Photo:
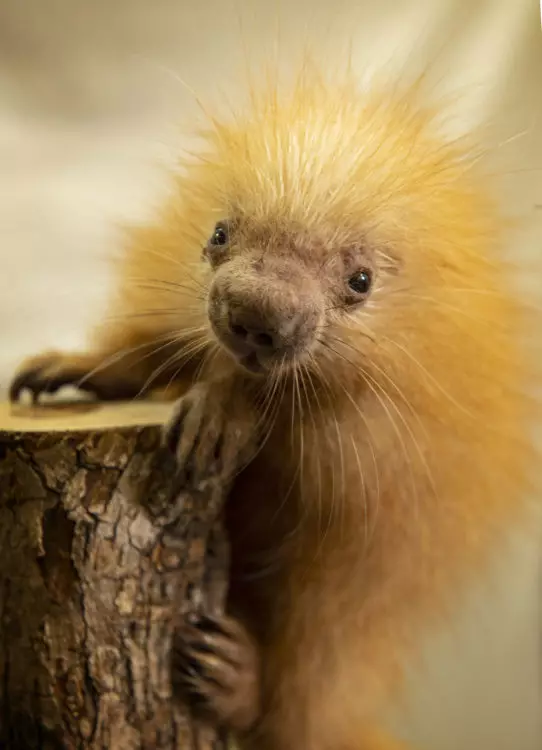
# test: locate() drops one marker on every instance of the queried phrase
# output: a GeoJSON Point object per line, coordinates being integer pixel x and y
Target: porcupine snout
{"type": "Point", "coordinates": [264, 318]}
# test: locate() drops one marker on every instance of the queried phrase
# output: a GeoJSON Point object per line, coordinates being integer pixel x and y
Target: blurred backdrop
{"type": "Point", "coordinates": [93, 97]}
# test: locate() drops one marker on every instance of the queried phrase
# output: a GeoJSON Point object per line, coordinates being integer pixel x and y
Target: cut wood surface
{"type": "Point", "coordinates": [100, 558]}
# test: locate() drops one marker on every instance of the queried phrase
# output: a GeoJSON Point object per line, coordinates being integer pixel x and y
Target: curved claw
{"type": "Point", "coordinates": [216, 666]}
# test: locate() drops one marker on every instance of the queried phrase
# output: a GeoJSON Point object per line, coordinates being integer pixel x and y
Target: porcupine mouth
{"type": "Point", "coordinates": [252, 363]}
{"type": "Point", "coordinates": [256, 363]}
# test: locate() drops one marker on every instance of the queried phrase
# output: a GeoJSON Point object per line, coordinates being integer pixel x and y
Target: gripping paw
{"type": "Point", "coordinates": [215, 665]}
{"type": "Point", "coordinates": [49, 372]}
{"type": "Point", "coordinates": [212, 433]}
{"type": "Point", "coordinates": [46, 373]}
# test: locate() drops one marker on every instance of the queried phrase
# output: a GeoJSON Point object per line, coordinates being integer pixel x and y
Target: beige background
{"type": "Point", "coordinates": [90, 102]}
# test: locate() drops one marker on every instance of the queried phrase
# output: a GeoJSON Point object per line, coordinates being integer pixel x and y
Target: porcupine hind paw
{"type": "Point", "coordinates": [215, 666]}
{"type": "Point", "coordinates": [50, 371]}
{"type": "Point", "coordinates": [212, 432]}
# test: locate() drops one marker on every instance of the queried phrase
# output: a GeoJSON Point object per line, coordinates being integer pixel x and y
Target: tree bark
{"type": "Point", "coordinates": [100, 557]}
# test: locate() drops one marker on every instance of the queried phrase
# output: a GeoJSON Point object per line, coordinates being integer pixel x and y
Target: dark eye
{"type": "Point", "coordinates": [360, 282]}
{"type": "Point", "coordinates": [219, 236]}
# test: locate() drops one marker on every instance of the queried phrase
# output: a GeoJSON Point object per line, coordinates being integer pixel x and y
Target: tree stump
{"type": "Point", "coordinates": [100, 557]}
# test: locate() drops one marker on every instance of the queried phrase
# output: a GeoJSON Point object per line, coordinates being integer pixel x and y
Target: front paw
{"type": "Point", "coordinates": [212, 432]}
{"type": "Point", "coordinates": [46, 373]}
{"type": "Point", "coordinates": [215, 665]}
{"type": "Point", "coordinates": [108, 379]}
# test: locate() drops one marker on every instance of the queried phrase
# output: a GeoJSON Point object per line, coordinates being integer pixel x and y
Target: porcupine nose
{"type": "Point", "coordinates": [264, 318]}
{"type": "Point", "coordinates": [252, 330]}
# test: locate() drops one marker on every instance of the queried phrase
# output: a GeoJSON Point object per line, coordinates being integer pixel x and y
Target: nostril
{"type": "Point", "coordinates": [240, 331]}
{"type": "Point", "coordinates": [265, 340]}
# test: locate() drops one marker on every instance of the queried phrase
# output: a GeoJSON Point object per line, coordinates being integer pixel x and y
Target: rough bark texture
{"type": "Point", "coordinates": [92, 585]}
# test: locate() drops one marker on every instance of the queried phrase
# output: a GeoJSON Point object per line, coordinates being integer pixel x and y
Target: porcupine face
{"type": "Point", "coordinates": [274, 293]}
